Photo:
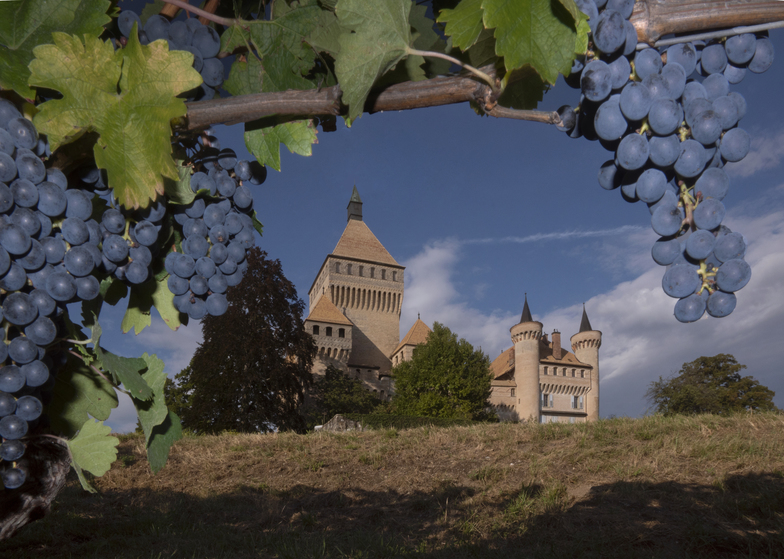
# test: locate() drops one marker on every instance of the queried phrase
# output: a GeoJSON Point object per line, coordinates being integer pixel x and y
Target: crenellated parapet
{"type": "Point", "coordinates": [584, 340]}
{"type": "Point", "coordinates": [526, 331]}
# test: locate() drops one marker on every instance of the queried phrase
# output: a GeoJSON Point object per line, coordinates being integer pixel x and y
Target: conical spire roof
{"type": "Point", "coordinates": [585, 324]}
{"type": "Point", "coordinates": [526, 316]}
{"type": "Point", "coordinates": [355, 195]}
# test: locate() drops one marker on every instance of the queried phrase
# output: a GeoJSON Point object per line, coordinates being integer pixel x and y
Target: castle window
{"type": "Point", "coordinates": [341, 332]}
{"type": "Point", "coordinates": [394, 276]}
{"type": "Point", "coordinates": [348, 269]}
{"type": "Point", "coordinates": [512, 394]}
{"type": "Point", "coordinates": [581, 402]}
{"type": "Point", "coordinates": [337, 267]}
{"type": "Point", "coordinates": [372, 272]}
{"type": "Point", "coordinates": [582, 373]}
{"type": "Point", "coordinates": [545, 370]}
{"type": "Point", "coordinates": [547, 399]}
{"type": "Point", "coordinates": [543, 419]}
{"type": "Point", "coordinates": [361, 270]}
{"type": "Point", "coordinates": [383, 274]}
{"type": "Point", "coordinates": [571, 420]}
{"type": "Point", "coordinates": [315, 330]}
{"type": "Point", "coordinates": [574, 372]}
{"type": "Point", "coordinates": [575, 402]}
{"type": "Point", "coordinates": [329, 331]}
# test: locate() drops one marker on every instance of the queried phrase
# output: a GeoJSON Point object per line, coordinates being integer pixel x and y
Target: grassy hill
{"type": "Point", "coordinates": [702, 486]}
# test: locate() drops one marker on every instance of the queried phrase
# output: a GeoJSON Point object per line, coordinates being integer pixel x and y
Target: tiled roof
{"type": "Point", "coordinates": [416, 335]}
{"type": "Point", "coordinates": [325, 311]}
{"type": "Point", "coordinates": [358, 241]}
{"type": "Point", "coordinates": [505, 362]}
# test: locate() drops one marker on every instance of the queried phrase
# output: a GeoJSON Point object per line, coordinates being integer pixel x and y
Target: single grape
{"type": "Point", "coordinates": [29, 408]}
{"type": "Point", "coordinates": [665, 116]}
{"type": "Point", "coordinates": [19, 309]}
{"type": "Point", "coordinates": [691, 160]}
{"type": "Point", "coordinates": [146, 233]}
{"type": "Point", "coordinates": [22, 132]}
{"type": "Point", "coordinates": [60, 286]}
{"type": "Point", "coordinates": [14, 239]}
{"type": "Point", "coordinates": [713, 59]}
{"type": "Point", "coordinates": [125, 22]}
{"type": "Point", "coordinates": [664, 150]}
{"type": "Point", "coordinates": [7, 405]}
{"type": "Point", "coordinates": [596, 81]}
{"type": "Point", "coordinates": [79, 261]}
{"type": "Point", "coordinates": [721, 304]}
{"type": "Point", "coordinates": [647, 62]}
{"type": "Point", "coordinates": [684, 54]}
{"type": "Point", "coordinates": [675, 77]}
{"type": "Point", "coordinates": [115, 249]}
{"type": "Point", "coordinates": [680, 281]}
{"type": "Point", "coordinates": [740, 48]}
{"type": "Point", "coordinates": [157, 27]}
{"type": "Point", "coordinates": [79, 205]}
{"type": "Point", "coordinates": [734, 74]}
{"type": "Point", "coordinates": [207, 41]}
{"type": "Point", "coordinates": [42, 332]}
{"type": "Point", "coordinates": [735, 144]}
{"type": "Point", "coordinates": [729, 247]}
{"type": "Point", "coordinates": [709, 214]}
{"type": "Point", "coordinates": [11, 379]}
{"type": "Point", "coordinates": [51, 199]}
{"type": "Point", "coordinates": [87, 288]}
{"type": "Point", "coordinates": [43, 302]}
{"type": "Point", "coordinates": [763, 56]}
{"type": "Point", "coordinates": [713, 183]}
{"type": "Point", "coordinates": [217, 304]}
{"type": "Point", "coordinates": [11, 451]}
{"type": "Point", "coordinates": [13, 478]}
{"type": "Point", "coordinates": [732, 275]}
{"type": "Point", "coordinates": [7, 167]}
{"type": "Point", "coordinates": [690, 309]}
{"type": "Point", "coordinates": [35, 258]}
{"type": "Point", "coordinates": [75, 231]}
{"type": "Point", "coordinates": [114, 221]}
{"type": "Point", "coordinates": [716, 85]}
{"type": "Point", "coordinates": [217, 283]}
{"type": "Point", "coordinates": [667, 220]}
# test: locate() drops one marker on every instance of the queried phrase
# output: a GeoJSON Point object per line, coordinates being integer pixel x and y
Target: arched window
{"type": "Point", "coordinates": [329, 331]}
{"type": "Point", "coordinates": [341, 332]}
{"type": "Point", "coordinates": [315, 330]}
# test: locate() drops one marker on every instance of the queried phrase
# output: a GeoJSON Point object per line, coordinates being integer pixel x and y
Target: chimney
{"type": "Point", "coordinates": [557, 352]}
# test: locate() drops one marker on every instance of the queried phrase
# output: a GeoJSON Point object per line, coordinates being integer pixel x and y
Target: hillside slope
{"type": "Point", "coordinates": [702, 486]}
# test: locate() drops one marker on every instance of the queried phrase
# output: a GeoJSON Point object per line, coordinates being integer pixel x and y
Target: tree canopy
{"type": "Point", "coordinates": [710, 385]}
{"type": "Point", "coordinates": [251, 371]}
{"type": "Point", "coordinates": [446, 377]}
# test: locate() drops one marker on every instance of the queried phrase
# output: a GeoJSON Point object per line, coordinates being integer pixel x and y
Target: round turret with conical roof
{"type": "Point", "coordinates": [585, 345]}
{"type": "Point", "coordinates": [525, 336]}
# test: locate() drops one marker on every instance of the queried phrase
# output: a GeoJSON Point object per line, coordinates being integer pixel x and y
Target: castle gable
{"type": "Point", "coordinates": [503, 364]}
{"type": "Point", "coordinates": [359, 242]}
{"type": "Point", "coordinates": [416, 335]}
{"type": "Point", "coordinates": [325, 311]}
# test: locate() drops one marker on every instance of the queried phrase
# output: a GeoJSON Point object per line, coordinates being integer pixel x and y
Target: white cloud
{"type": "Point", "coordinates": [641, 338]}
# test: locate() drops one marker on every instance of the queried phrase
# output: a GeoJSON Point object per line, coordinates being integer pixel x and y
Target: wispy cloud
{"type": "Point", "coordinates": [558, 236]}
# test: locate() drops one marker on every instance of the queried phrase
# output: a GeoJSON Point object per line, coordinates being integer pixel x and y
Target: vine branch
{"type": "Point", "coordinates": [203, 14]}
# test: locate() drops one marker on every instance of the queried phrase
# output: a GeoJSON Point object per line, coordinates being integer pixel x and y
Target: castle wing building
{"type": "Point", "coordinates": [538, 380]}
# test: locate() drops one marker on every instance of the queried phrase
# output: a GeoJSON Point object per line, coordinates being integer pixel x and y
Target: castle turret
{"type": "Point", "coordinates": [525, 337]}
{"type": "Point", "coordinates": [585, 345]}
{"type": "Point", "coordinates": [354, 208]}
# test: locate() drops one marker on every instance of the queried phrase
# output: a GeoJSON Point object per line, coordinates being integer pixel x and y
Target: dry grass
{"type": "Point", "coordinates": [680, 487]}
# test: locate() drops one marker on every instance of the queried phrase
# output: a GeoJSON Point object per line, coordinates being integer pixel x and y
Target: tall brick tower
{"type": "Point", "coordinates": [525, 337]}
{"type": "Point", "coordinates": [362, 280]}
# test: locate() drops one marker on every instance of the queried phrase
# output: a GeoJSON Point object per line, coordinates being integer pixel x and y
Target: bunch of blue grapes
{"type": "Point", "coordinates": [672, 122]}
{"type": "Point", "coordinates": [217, 229]}
{"type": "Point", "coordinates": [37, 278]}
{"type": "Point", "coordinates": [202, 41]}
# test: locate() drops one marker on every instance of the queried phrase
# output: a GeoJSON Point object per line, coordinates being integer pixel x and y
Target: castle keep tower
{"type": "Point", "coordinates": [585, 345]}
{"type": "Point", "coordinates": [363, 284]}
{"type": "Point", "coordinates": [525, 337]}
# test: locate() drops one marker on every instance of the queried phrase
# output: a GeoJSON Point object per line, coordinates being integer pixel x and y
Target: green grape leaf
{"type": "Point", "coordinates": [525, 91]}
{"type": "Point", "coordinates": [79, 391]}
{"type": "Point", "coordinates": [233, 38]}
{"type": "Point", "coordinates": [464, 23]}
{"type": "Point", "coordinates": [114, 291]}
{"type": "Point", "coordinates": [325, 36]}
{"type": "Point", "coordinates": [581, 42]}
{"type": "Point", "coordinates": [540, 33]}
{"type": "Point", "coordinates": [179, 191]}
{"type": "Point", "coordinates": [264, 142]}
{"type": "Point", "coordinates": [138, 315]}
{"type": "Point", "coordinates": [151, 9]}
{"type": "Point", "coordinates": [483, 51]}
{"type": "Point", "coordinates": [152, 412]}
{"type": "Point", "coordinates": [257, 225]}
{"type": "Point", "coordinates": [163, 437]}
{"type": "Point", "coordinates": [94, 448]}
{"type": "Point", "coordinates": [26, 24]}
{"type": "Point", "coordinates": [127, 96]}
{"type": "Point", "coordinates": [125, 370]}
{"type": "Point", "coordinates": [380, 39]}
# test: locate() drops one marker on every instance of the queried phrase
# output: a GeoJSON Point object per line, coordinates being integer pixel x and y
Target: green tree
{"type": "Point", "coordinates": [446, 377]}
{"type": "Point", "coordinates": [251, 371]}
{"type": "Point", "coordinates": [335, 392]}
{"type": "Point", "coordinates": [710, 385]}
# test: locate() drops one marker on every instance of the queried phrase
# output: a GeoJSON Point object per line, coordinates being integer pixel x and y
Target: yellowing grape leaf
{"type": "Point", "coordinates": [26, 24]}
{"type": "Point", "coordinates": [376, 37]}
{"type": "Point", "coordinates": [264, 143]}
{"type": "Point", "coordinates": [128, 97]}
{"type": "Point", "coordinates": [540, 33]}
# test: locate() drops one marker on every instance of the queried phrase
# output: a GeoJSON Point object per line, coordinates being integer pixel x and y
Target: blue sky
{"type": "Point", "coordinates": [483, 210]}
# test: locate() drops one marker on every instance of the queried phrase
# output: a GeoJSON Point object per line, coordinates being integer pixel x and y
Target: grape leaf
{"type": "Point", "coordinates": [152, 412]}
{"type": "Point", "coordinates": [540, 33]}
{"type": "Point", "coordinates": [525, 91]}
{"type": "Point", "coordinates": [125, 370]}
{"type": "Point", "coordinates": [464, 23]}
{"type": "Point", "coordinates": [24, 25]}
{"type": "Point", "coordinates": [79, 391]}
{"type": "Point", "coordinates": [151, 9]}
{"type": "Point", "coordinates": [325, 36]}
{"type": "Point", "coordinates": [257, 225]}
{"type": "Point", "coordinates": [128, 97]}
{"type": "Point", "coordinates": [264, 142]}
{"type": "Point", "coordinates": [94, 448]}
{"type": "Point", "coordinates": [138, 315]}
{"type": "Point", "coordinates": [179, 191]}
{"type": "Point", "coordinates": [380, 39]}
{"type": "Point", "coordinates": [163, 437]}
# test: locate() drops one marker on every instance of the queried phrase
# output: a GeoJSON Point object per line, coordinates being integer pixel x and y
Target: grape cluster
{"type": "Point", "coordinates": [217, 230]}
{"type": "Point", "coordinates": [202, 41]}
{"type": "Point", "coordinates": [670, 118]}
{"type": "Point", "coordinates": [35, 278]}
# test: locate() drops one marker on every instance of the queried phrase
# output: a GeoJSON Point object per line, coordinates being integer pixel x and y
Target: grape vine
{"type": "Point", "coordinates": [113, 186]}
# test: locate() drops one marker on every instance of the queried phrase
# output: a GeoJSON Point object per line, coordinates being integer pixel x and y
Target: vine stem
{"type": "Point", "coordinates": [79, 342]}
{"type": "Point", "coordinates": [201, 13]}
{"type": "Point", "coordinates": [479, 73]}
{"type": "Point", "coordinates": [713, 34]}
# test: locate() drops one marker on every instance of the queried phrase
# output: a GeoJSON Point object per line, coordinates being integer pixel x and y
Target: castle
{"type": "Point", "coordinates": [355, 304]}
